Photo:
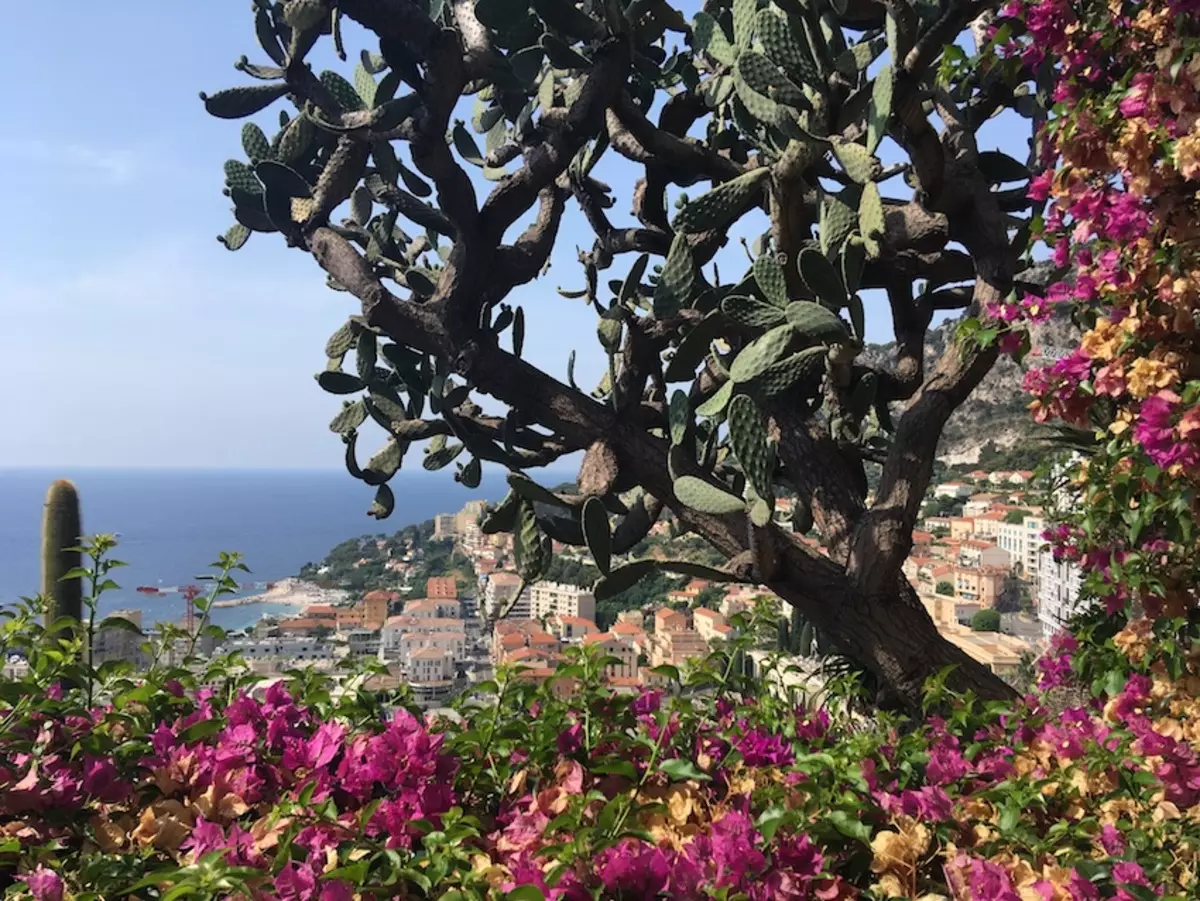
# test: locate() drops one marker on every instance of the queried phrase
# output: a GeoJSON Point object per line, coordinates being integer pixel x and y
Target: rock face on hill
{"type": "Point", "coordinates": [998, 409]}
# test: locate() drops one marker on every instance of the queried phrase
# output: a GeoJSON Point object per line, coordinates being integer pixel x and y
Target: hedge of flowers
{"type": "Point", "coordinates": [1121, 158]}
{"type": "Point", "coordinates": [193, 782]}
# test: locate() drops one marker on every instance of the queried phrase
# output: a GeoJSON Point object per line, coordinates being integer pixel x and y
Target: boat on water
{"type": "Point", "coordinates": [151, 590]}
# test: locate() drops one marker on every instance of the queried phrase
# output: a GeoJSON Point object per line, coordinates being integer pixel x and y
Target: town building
{"type": "Point", "coordinates": [961, 527]}
{"type": "Point", "coordinates": [953, 490]}
{"type": "Point", "coordinates": [1023, 541]}
{"type": "Point", "coordinates": [553, 598]}
{"type": "Point", "coordinates": [500, 590]}
{"type": "Point", "coordinates": [363, 643]}
{"type": "Point", "coordinates": [444, 526]}
{"type": "Point", "coordinates": [710, 625]}
{"type": "Point", "coordinates": [1059, 585]}
{"type": "Point", "coordinates": [284, 652]}
{"type": "Point", "coordinates": [571, 628]}
{"type": "Point", "coordinates": [668, 620]}
{"type": "Point", "coordinates": [434, 608]}
{"type": "Point", "coordinates": [623, 652]}
{"type": "Point", "coordinates": [441, 587]}
{"type": "Point", "coordinates": [982, 585]}
{"type": "Point", "coordinates": [111, 643]}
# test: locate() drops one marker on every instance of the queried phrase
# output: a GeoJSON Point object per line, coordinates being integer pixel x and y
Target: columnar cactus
{"type": "Point", "coordinates": [62, 531]}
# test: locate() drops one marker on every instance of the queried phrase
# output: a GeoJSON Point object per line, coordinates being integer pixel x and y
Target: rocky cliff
{"type": "Point", "coordinates": [998, 409]}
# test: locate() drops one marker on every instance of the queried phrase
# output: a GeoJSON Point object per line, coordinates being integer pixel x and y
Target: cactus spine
{"type": "Point", "coordinates": [61, 531]}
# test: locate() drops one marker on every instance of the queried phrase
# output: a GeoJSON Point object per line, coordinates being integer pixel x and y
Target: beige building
{"type": "Point", "coordinates": [402, 634]}
{"type": "Point", "coordinates": [668, 620]}
{"type": "Point", "coordinates": [434, 608]}
{"type": "Point", "coordinates": [622, 651]}
{"type": "Point", "coordinates": [980, 585]}
{"type": "Point", "coordinates": [553, 598]}
{"type": "Point", "coordinates": [961, 527]}
{"type": "Point", "coordinates": [676, 647]}
{"type": "Point", "coordinates": [710, 625]}
{"type": "Point", "coordinates": [444, 526]}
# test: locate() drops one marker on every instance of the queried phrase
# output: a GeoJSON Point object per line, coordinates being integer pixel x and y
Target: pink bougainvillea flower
{"type": "Point", "coordinates": [44, 884]}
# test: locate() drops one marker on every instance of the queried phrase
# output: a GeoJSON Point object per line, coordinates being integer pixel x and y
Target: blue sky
{"type": "Point", "coordinates": [130, 336]}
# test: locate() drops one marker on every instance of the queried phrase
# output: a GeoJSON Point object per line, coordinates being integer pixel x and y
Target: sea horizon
{"type": "Point", "coordinates": [173, 522]}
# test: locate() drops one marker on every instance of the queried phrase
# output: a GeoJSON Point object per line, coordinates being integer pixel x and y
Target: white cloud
{"type": "Point", "coordinates": [75, 161]}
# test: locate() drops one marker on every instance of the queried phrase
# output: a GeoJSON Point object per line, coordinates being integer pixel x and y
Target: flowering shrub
{"type": "Point", "coordinates": [1121, 158]}
{"type": "Point", "coordinates": [193, 782]}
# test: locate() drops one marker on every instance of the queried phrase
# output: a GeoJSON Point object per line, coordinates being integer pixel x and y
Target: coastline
{"type": "Point", "coordinates": [287, 592]}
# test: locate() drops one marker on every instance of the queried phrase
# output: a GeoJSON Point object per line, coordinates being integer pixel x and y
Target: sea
{"type": "Point", "coordinates": [173, 523]}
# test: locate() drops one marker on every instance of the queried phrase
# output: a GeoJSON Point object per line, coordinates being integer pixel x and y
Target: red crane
{"type": "Point", "coordinates": [190, 593]}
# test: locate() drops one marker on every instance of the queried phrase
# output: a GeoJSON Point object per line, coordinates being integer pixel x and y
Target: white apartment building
{"type": "Point", "coordinates": [430, 665]}
{"type": "Point", "coordinates": [1023, 541]}
{"type": "Point", "coordinates": [299, 649]}
{"type": "Point", "coordinates": [500, 590]}
{"type": "Point", "coordinates": [363, 643]}
{"type": "Point", "coordinates": [453, 644]}
{"type": "Point", "coordinates": [953, 489]}
{"type": "Point", "coordinates": [400, 634]}
{"type": "Point", "coordinates": [556, 599]}
{"type": "Point", "coordinates": [1059, 584]}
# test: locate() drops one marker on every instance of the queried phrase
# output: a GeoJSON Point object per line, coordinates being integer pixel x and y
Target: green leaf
{"type": "Point", "coordinates": [682, 770]}
{"type": "Point", "coordinates": [120, 623]}
{"type": "Point", "coordinates": [847, 825]}
{"type": "Point", "coordinates": [822, 278]}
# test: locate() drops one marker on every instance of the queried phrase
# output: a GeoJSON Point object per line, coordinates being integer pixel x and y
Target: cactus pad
{"type": "Point", "coordinates": [871, 223]}
{"type": "Point", "coordinates": [839, 217]}
{"type": "Point", "coordinates": [858, 162]}
{"type": "Point", "coordinates": [793, 370]}
{"type": "Point", "coordinates": [761, 353]}
{"type": "Point", "coordinates": [716, 404]}
{"type": "Point", "coordinates": [822, 278]}
{"type": "Point", "coordinates": [237, 103]}
{"type": "Point", "coordinates": [700, 495]}
{"type": "Point", "coordinates": [752, 312]}
{"type": "Point", "coordinates": [816, 323]}
{"type": "Point", "coordinates": [722, 205]}
{"type": "Point", "coordinates": [768, 275]}
{"type": "Point", "coordinates": [679, 283]}
{"type": "Point", "coordinates": [597, 533]}
{"type": "Point", "coordinates": [708, 37]}
{"type": "Point", "coordinates": [350, 418]}
{"type": "Point", "coordinates": [748, 437]}
{"type": "Point", "coordinates": [785, 43]}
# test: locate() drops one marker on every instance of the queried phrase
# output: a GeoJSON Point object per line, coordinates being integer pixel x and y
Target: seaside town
{"type": "Point", "coordinates": [419, 602]}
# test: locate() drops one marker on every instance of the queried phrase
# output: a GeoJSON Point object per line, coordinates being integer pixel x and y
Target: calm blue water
{"type": "Point", "coordinates": [172, 524]}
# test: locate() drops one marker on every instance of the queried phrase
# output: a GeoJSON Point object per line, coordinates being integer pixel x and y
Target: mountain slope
{"type": "Point", "coordinates": [997, 410]}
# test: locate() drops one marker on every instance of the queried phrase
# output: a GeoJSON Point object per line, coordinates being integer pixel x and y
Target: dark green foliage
{"type": "Point", "coordinates": [986, 621]}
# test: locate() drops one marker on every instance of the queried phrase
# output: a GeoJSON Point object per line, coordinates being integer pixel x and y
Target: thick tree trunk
{"type": "Point", "coordinates": [894, 636]}
{"type": "Point", "coordinates": [890, 632]}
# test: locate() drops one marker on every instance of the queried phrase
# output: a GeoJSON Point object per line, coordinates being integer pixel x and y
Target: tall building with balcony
{"type": "Point", "coordinates": [555, 599]}
{"type": "Point", "coordinates": [1059, 583]}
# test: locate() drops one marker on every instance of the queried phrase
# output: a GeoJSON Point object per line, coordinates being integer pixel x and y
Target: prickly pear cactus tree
{"type": "Point", "coordinates": [724, 390]}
